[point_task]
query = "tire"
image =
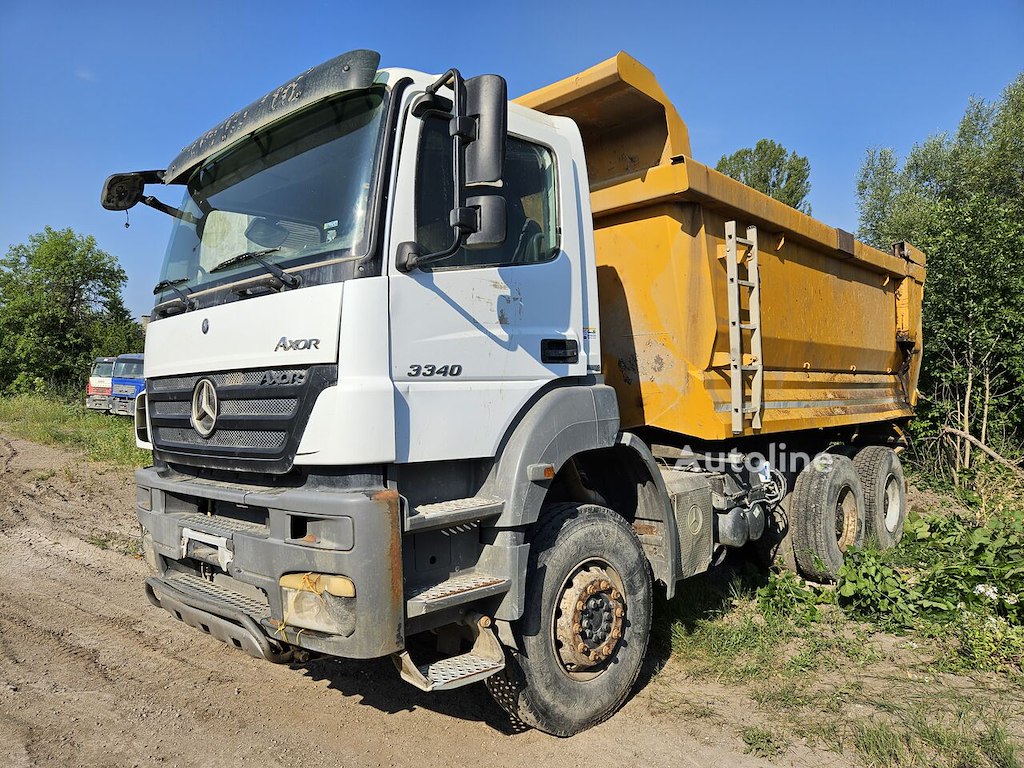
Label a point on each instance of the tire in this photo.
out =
(827, 515)
(576, 546)
(885, 494)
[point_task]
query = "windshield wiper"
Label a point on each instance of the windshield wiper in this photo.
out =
(290, 280)
(172, 285)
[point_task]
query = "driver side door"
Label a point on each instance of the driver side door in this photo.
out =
(475, 336)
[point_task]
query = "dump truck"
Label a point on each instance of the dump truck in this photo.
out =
(463, 381)
(97, 391)
(126, 384)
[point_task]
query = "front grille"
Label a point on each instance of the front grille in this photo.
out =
(261, 414)
(233, 438)
(124, 389)
(273, 407)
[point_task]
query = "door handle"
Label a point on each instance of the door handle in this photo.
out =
(559, 351)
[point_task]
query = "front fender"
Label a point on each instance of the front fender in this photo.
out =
(561, 423)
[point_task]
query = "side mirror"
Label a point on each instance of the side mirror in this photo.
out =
(480, 223)
(122, 191)
(478, 123)
(491, 221)
(487, 105)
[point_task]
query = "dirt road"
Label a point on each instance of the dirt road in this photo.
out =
(91, 674)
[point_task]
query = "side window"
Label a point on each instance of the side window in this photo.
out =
(528, 187)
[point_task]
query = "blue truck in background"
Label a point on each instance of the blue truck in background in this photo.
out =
(126, 384)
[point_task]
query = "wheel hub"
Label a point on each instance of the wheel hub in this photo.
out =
(846, 519)
(891, 505)
(592, 618)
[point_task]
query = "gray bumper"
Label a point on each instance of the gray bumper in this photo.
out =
(263, 534)
(122, 406)
(97, 402)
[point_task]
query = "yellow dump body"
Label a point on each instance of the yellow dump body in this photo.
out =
(840, 322)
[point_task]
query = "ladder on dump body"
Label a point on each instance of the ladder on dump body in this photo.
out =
(738, 369)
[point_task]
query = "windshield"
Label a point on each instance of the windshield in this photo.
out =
(128, 369)
(102, 370)
(301, 187)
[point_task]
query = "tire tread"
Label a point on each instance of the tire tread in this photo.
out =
(508, 687)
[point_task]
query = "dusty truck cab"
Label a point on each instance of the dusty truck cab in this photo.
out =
(126, 384)
(97, 392)
(382, 416)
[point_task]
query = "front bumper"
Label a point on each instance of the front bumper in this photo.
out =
(122, 406)
(98, 402)
(222, 548)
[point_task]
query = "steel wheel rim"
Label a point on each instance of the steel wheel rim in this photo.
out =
(566, 608)
(892, 503)
(846, 519)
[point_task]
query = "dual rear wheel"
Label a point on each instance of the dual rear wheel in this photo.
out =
(846, 499)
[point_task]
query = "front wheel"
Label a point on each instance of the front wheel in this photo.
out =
(586, 623)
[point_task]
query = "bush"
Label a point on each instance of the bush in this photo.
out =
(871, 588)
(785, 596)
(987, 642)
(944, 566)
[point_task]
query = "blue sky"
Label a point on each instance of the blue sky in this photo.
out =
(90, 88)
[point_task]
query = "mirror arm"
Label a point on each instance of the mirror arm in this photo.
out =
(408, 257)
(170, 210)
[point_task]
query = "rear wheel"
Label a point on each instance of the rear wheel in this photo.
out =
(885, 493)
(587, 619)
(827, 515)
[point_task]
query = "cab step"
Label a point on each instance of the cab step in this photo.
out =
(462, 588)
(484, 659)
(453, 513)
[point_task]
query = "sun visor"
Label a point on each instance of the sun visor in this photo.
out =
(349, 72)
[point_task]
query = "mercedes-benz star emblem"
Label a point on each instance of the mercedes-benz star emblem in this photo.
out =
(204, 407)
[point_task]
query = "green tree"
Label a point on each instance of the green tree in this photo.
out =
(60, 306)
(769, 168)
(960, 199)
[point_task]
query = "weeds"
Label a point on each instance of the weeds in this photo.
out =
(719, 630)
(948, 577)
(995, 744)
(52, 421)
(761, 742)
(815, 673)
(986, 642)
(880, 743)
(116, 542)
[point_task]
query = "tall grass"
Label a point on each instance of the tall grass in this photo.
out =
(56, 421)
